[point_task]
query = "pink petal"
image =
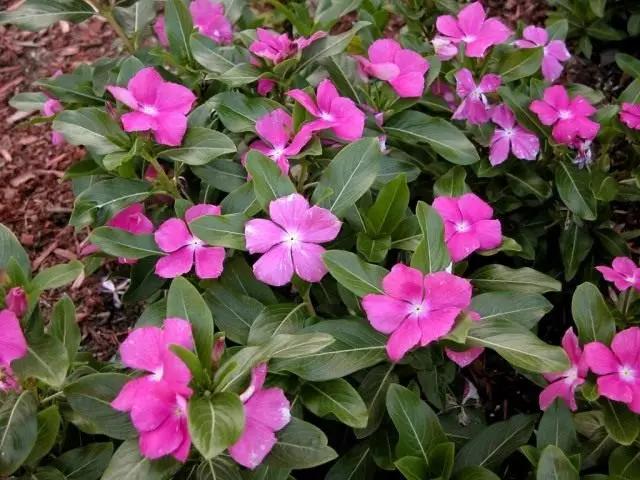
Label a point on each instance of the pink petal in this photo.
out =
(349, 119)
(524, 144)
(625, 266)
(551, 68)
(265, 86)
(124, 96)
(175, 264)
(164, 440)
(154, 405)
(171, 128)
(275, 128)
(565, 131)
(614, 388)
(500, 146)
(493, 32)
(144, 349)
(303, 43)
(299, 142)
(444, 290)
(253, 446)
(289, 211)
(132, 220)
(447, 208)
(384, 312)
(547, 114)
(461, 245)
(383, 51)
(176, 374)
(307, 261)
(559, 389)
(558, 49)
(144, 86)
(473, 208)
(219, 29)
(525, 44)
(200, 210)
(403, 339)
(182, 452)
(626, 346)
(13, 345)
(464, 82)
(611, 275)
(269, 407)
(209, 262)
(305, 100)
(630, 116)
(384, 71)
(409, 84)
(557, 97)
(176, 98)
(202, 10)
(437, 323)
(172, 235)
(57, 138)
(319, 225)
(261, 235)
(404, 283)
(489, 233)
(503, 116)
(536, 35)
(127, 397)
(490, 83)
(258, 377)
(600, 359)
(275, 267)
(587, 129)
(475, 111)
(326, 94)
(471, 18)
(138, 122)
(448, 25)
(177, 331)
(634, 405)
(410, 61)
(160, 30)
(581, 107)
(462, 359)
(571, 345)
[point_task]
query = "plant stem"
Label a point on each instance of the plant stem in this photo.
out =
(164, 180)
(51, 397)
(108, 15)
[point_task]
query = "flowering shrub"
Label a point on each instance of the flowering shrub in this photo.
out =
(321, 227)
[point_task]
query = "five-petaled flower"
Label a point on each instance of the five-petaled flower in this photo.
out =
(522, 143)
(175, 238)
(472, 28)
(563, 385)
(416, 308)
(618, 368)
(13, 346)
(468, 225)
(158, 106)
(630, 115)
(624, 274)
(291, 240)
(404, 69)
(278, 47)
(266, 411)
(475, 106)
(554, 51)
(569, 117)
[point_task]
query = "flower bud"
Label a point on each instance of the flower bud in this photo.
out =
(16, 301)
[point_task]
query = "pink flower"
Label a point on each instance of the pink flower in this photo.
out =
(159, 27)
(290, 240)
(468, 225)
(522, 143)
(618, 368)
(158, 106)
(563, 385)
(555, 51)
(416, 309)
(275, 131)
(209, 20)
(442, 90)
(16, 301)
(474, 106)
(630, 115)
(265, 86)
(404, 69)
(472, 28)
(444, 48)
(624, 274)
(173, 237)
(569, 117)
(464, 358)
(333, 112)
(13, 346)
(266, 411)
(50, 108)
(278, 47)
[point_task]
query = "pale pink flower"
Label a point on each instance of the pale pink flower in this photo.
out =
(50, 108)
(618, 369)
(332, 111)
(275, 130)
(444, 91)
(555, 51)
(475, 106)
(277, 47)
(266, 411)
(291, 240)
(465, 357)
(404, 69)
(444, 48)
(16, 301)
(568, 116)
(209, 20)
(624, 274)
(159, 27)
(563, 385)
(158, 106)
(468, 225)
(511, 137)
(630, 115)
(175, 238)
(415, 308)
(474, 29)
(13, 345)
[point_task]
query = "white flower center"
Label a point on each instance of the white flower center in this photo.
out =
(157, 374)
(565, 114)
(469, 39)
(571, 375)
(631, 279)
(326, 116)
(149, 110)
(419, 308)
(627, 373)
(291, 238)
(462, 227)
(276, 153)
(509, 132)
(195, 242)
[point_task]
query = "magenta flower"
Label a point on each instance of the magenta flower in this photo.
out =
(275, 130)
(563, 385)
(522, 143)
(624, 274)
(175, 238)
(16, 301)
(474, 29)
(333, 112)
(404, 69)
(278, 47)
(475, 106)
(416, 309)
(468, 225)
(569, 117)
(13, 346)
(159, 27)
(444, 48)
(630, 115)
(266, 411)
(265, 86)
(555, 51)
(158, 106)
(50, 108)
(442, 90)
(618, 368)
(291, 240)
(465, 357)
(209, 20)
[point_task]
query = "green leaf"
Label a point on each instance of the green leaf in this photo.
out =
(64, 327)
(184, 301)
(238, 112)
(591, 315)
(299, 345)
(432, 254)
(373, 250)
(417, 424)
(28, 101)
(240, 75)
(475, 473)
(516, 280)
(524, 181)
(277, 319)
(557, 427)
(329, 12)
(46, 360)
(495, 443)
(343, 71)
(631, 94)
(554, 465)
(574, 188)
(526, 310)
(220, 230)
(628, 64)
(199, 147)
(218, 469)
(452, 183)
(621, 423)
(442, 459)
(300, 445)
(519, 104)
(129, 464)
(356, 464)
(37, 15)
(239, 277)
(335, 397)
(234, 312)
(136, 17)
(241, 200)
(412, 468)
(215, 58)
(349, 176)
(215, 423)
(603, 31)
(18, 429)
(178, 25)
(120, 243)
(373, 391)
(449, 142)
(558, 29)
(355, 275)
(598, 7)
(268, 181)
(144, 281)
(575, 245)
(224, 175)
(57, 276)
(390, 206)
(49, 421)
(329, 46)
(92, 128)
(85, 463)
(91, 397)
(520, 63)
(10, 248)
(624, 463)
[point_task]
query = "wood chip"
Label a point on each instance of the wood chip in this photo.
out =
(28, 140)
(16, 117)
(66, 254)
(21, 179)
(43, 256)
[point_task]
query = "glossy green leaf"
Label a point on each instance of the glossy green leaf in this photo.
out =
(516, 280)
(268, 181)
(234, 312)
(329, 46)
(574, 188)
(215, 422)
(200, 146)
(39, 14)
(356, 464)
(49, 421)
(10, 248)
(285, 345)
(335, 397)
(557, 427)
(85, 463)
(239, 276)
(64, 326)
(526, 310)
(18, 429)
(238, 112)
(554, 465)
(179, 26)
(412, 468)
(374, 250)
(128, 464)
(390, 206)
(520, 63)
(27, 101)
(278, 319)
(432, 254)
(621, 423)
(222, 174)
(591, 315)
(220, 230)
(373, 391)
(452, 184)
(92, 128)
(120, 243)
(575, 245)
(624, 463)
(353, 273)
(300, 445)
(46, 360)
(214, 57)
(57, 276)
(240, 75)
